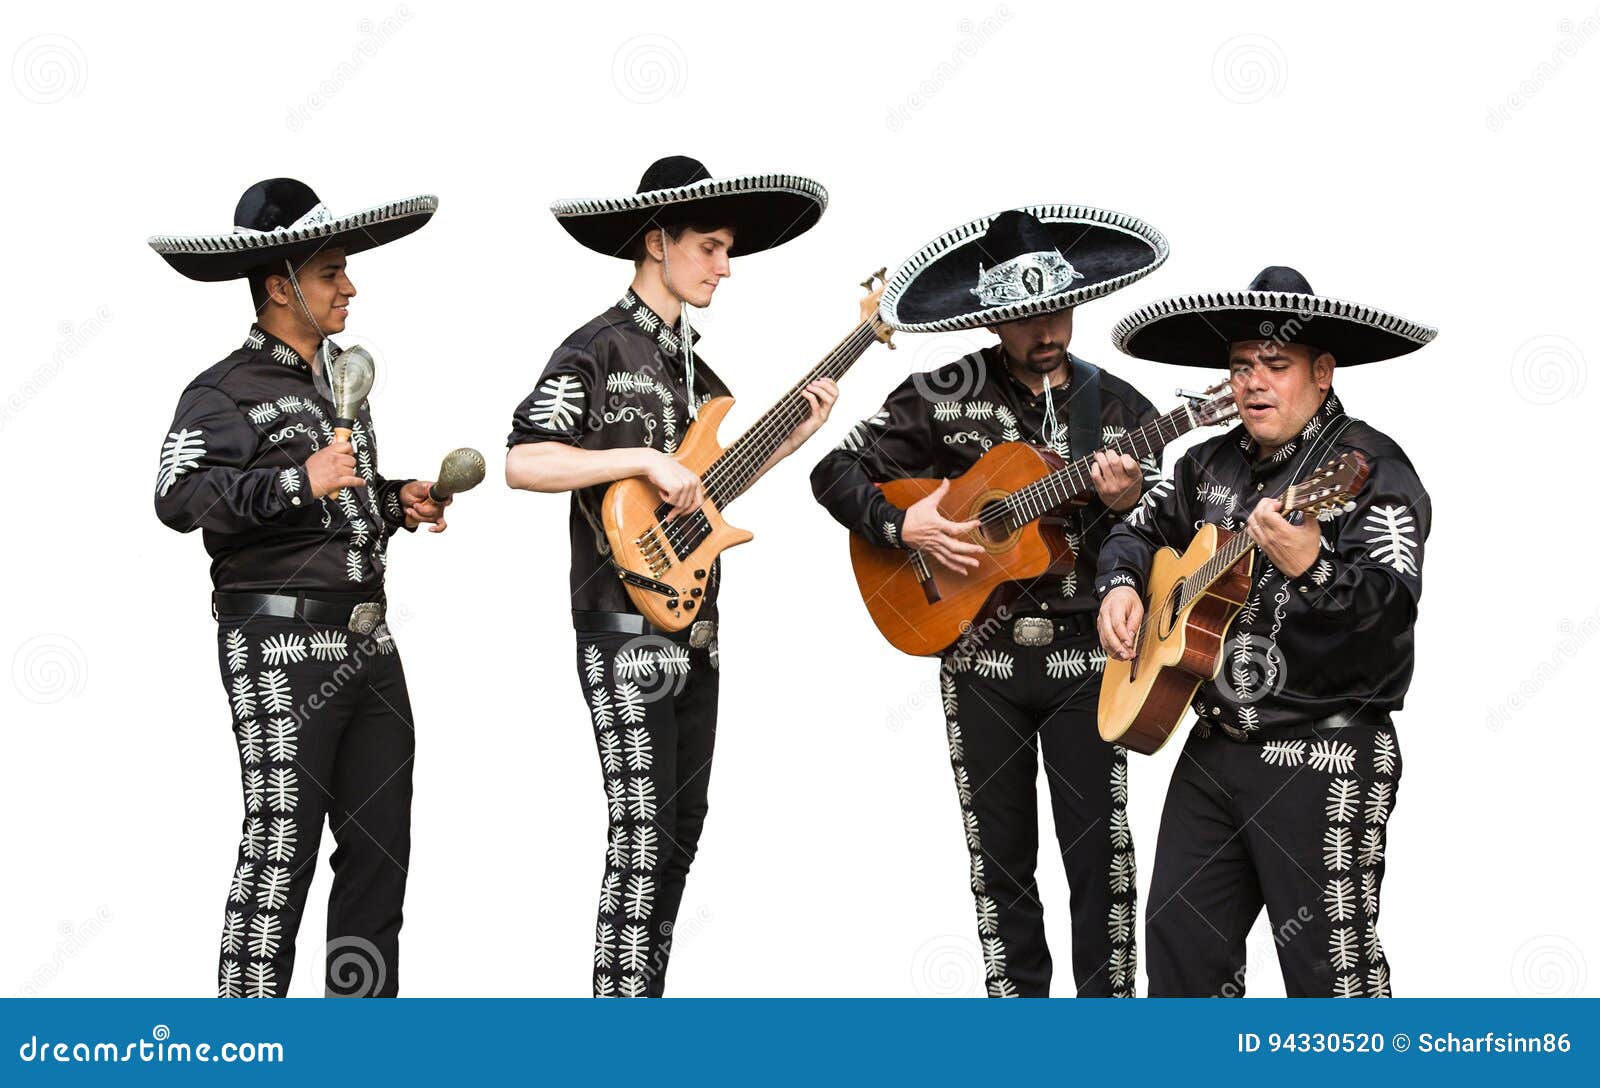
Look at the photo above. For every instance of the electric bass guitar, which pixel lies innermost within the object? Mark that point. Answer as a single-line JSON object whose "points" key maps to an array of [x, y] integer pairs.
{"points": [[1191, 600], [922, 607], [665, 564]]}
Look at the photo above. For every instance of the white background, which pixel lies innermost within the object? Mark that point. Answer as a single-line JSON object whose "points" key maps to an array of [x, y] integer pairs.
{"points": [[1437, 164]]}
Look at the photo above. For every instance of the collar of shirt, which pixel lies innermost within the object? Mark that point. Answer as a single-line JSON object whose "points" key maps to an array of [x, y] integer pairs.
{"points": [[1331, 410], [646, 322], [262, 341]]}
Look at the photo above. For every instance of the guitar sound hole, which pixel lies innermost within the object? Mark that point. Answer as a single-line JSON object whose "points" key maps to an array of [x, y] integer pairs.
{"points": [[1170, 609], [996, 526]]}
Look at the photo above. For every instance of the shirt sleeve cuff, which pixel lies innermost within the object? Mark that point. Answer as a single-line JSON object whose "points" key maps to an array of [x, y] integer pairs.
{"points": [[1105, 585], [389, 503], [890, 529], [293, 487], [1315, 578]]}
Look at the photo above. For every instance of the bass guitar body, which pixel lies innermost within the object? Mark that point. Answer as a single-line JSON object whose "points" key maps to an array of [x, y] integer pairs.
{"points": [[1143, 701], [921, 606], [676, 554]]}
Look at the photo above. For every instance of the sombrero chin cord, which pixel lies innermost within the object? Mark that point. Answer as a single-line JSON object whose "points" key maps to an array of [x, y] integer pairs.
{"points": [[683, 326], [322, 344]]}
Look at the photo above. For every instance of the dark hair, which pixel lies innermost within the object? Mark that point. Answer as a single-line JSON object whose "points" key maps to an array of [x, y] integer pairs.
{"points": [[640, 250], [257, 279]]}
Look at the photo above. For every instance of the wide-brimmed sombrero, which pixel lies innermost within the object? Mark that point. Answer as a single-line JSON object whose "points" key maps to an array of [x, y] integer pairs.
{"points": [[282, 219], [762, 210], [1021, 263], [1199, 330]]}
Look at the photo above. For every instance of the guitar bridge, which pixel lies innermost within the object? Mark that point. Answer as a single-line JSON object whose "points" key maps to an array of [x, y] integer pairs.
{"points": [[930, 588]]}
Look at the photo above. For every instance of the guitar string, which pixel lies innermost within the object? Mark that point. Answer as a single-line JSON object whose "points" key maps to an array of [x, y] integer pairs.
{"points": [[1041, 492], [738, 458], [1221, 561]]}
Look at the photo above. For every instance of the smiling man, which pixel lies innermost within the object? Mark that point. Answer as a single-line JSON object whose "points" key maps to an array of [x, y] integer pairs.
{"points": [[615, 401], [297, 523], [1283, 793]]}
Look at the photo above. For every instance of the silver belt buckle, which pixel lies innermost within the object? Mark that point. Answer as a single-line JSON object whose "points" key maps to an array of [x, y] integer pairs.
{"points": [[1033, 631], [365, 617], [701, 634]]}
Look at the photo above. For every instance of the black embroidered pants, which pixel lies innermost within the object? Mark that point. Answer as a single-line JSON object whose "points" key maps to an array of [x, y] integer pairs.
{"points": [[323, 725], [653, 705], [1005, 706], [1297, 826]]}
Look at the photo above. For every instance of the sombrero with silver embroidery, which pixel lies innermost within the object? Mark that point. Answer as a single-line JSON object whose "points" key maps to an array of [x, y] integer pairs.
{"points": [[1199, 330], [1027, 261], [282, 219], [762, 210]]}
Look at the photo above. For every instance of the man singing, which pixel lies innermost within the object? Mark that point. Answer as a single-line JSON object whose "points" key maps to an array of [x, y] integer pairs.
{"points": [[1283, 794]]}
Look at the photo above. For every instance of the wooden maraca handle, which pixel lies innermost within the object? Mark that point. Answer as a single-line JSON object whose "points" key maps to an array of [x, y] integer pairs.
{"points": [[342, 434]]}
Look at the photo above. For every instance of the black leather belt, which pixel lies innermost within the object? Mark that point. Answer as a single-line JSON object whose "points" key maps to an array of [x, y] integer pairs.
{"points": [[1344, 719], [359, 616], [699, 634]]}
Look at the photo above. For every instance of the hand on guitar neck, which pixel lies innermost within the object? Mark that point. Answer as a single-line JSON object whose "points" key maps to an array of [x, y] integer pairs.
{"points": [[931, 533], [1291, 545]]}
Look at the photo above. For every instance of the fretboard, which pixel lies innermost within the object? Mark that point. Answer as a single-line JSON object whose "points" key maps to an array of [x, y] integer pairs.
{"points": [[1215, 567], [1065, 484], [733, 472]]}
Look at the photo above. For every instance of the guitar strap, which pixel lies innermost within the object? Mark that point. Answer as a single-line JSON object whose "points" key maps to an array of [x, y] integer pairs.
{"points": [[1083, 408], [601, 542]]}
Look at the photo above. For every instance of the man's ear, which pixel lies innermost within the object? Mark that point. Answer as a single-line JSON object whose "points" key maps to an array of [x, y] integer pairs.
{"points": [[1322, 370], [278, 289], [655, 243]]}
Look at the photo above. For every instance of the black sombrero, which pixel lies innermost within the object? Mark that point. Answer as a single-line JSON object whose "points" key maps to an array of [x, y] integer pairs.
{"points": [[1199, 330], [1028, 261], [282, 219], [762, 210]]}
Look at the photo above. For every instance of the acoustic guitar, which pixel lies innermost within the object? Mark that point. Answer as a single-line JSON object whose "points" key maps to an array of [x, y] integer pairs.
{"points": [[665, 564], [1191, 600], [922, 607]]}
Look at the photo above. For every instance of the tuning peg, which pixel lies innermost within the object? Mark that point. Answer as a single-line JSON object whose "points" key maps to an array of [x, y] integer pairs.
{"points": [[1349, 506]]}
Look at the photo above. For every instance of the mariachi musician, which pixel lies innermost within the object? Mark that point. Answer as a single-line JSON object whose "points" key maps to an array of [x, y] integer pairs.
{"points": [[1032, 685], [297, 519], [1285, 787]]}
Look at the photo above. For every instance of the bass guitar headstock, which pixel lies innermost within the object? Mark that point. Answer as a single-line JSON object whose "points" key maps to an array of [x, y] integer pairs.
{"points": [[869, 305]]}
